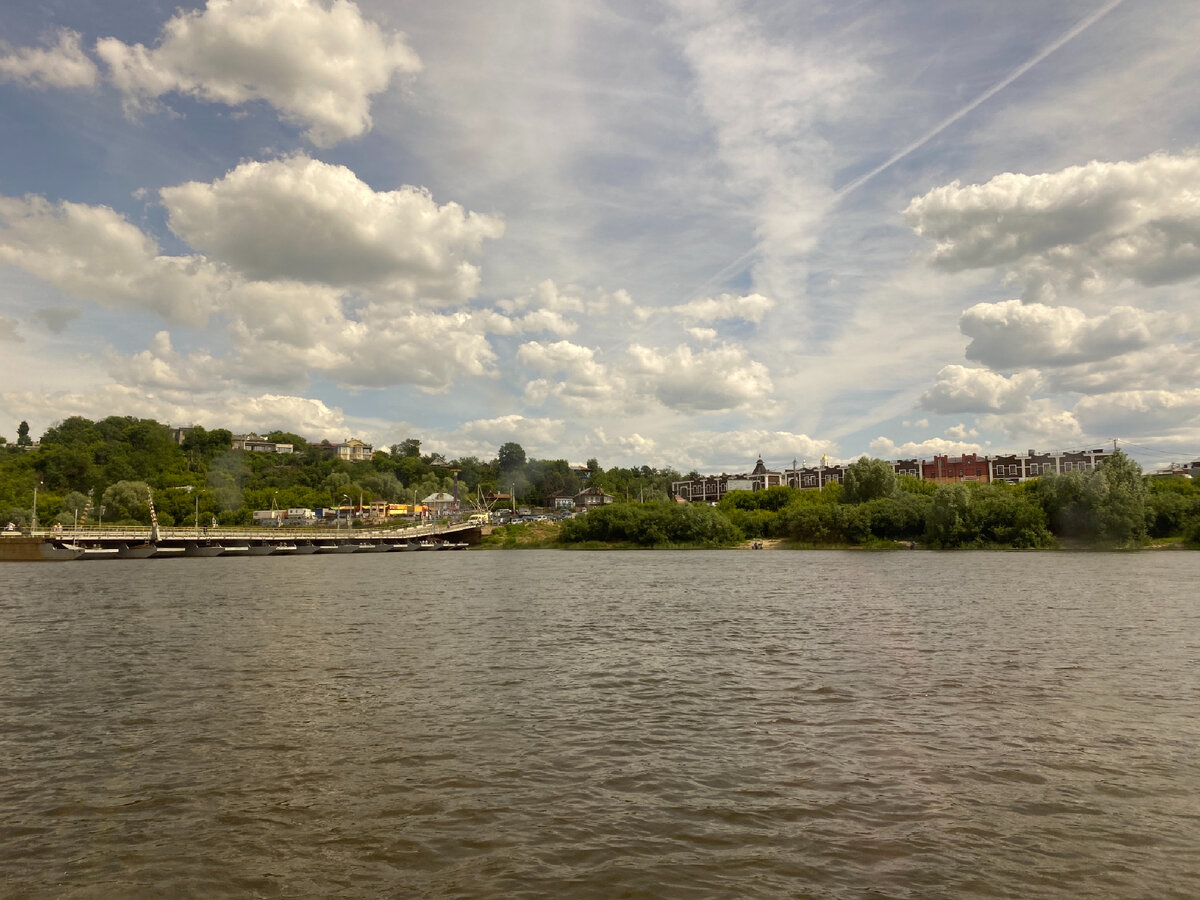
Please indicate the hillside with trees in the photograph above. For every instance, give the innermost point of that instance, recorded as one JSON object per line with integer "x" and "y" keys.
{"x": 80, "y": 464}
{"x": 117, "y": 459}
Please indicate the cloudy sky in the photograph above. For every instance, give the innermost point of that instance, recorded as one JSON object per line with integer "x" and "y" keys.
{"x": 680, "y": 233}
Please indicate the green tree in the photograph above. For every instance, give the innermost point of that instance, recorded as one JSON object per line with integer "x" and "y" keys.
{"x": 897, "y": 518}
{"x": 409, "y": 447}
{"x": 510, "y": 457}
{"x": 773, "y": 498}
{"x": 73, "y": 505}
{"x": 1171, "y": 505}
{"x": 651, "y": 524}
{"x": 1122, "y": 513}
{"x": 23, "y": 438}
{"x": 868, "y": 479}
{"x": 949, "y": 521}
{"x": 812, "y": 522}
{"x": 127, "y": 501}
{"x": 1106, "y": 504}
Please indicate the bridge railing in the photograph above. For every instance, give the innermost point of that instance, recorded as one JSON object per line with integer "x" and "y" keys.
{"x": 191, "y": 533}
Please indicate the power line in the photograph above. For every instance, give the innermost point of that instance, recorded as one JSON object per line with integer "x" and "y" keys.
{"x": 1170, "y": 453}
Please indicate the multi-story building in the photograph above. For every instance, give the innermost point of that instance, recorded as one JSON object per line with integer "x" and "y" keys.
{"x": 814, "y": 477}
{"x": 1084, "y": 460}
{"x": 1179, "y": 470}
{"x": 954, "y": 469}
{"x": 257, "y": 444}
{"x": 591, "y": 497}
{"x": 711, "y": 488}
{"x": 1013, "y": 468}
{"x": 944, "y": 469}
{"x": 353, "y": 450}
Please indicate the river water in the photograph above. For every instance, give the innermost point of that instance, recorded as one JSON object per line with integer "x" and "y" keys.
{"x": 536, "y": 724}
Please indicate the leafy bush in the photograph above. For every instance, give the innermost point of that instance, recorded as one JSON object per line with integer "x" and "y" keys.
{"x": 651, "y": 524}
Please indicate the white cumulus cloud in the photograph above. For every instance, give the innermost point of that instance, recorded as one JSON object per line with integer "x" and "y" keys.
{"x": 61, "y": 65}
{"x": 1012, "y": 334}
{"x": 318, "y": 64}
{"x": 235, "y": 411}
{"x": 94, "y": 253}
{"x": 536, "y": 435}
{"x": 1153, "y": 412}
{"x": 1040, "y": 423}
{"x": 723, "y": 378}
{"x": 959, "y": 389}
{"x": 302, "y": 219}
{"x": 886, "y": 448}
{"x": 1083, "y": 227}
{"x": 750, "y": 308}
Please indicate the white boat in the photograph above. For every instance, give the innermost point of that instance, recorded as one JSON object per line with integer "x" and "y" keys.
{"x": 371, "y": 547}
{"x": 235, "y": 549}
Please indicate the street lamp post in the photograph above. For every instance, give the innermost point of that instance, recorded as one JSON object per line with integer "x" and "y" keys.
{"x": 33, "y": 517}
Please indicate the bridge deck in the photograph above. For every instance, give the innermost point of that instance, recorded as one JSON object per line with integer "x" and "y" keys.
{"x": 136, "y": 542}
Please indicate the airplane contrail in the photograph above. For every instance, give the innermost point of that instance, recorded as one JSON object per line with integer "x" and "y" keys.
{"x": 1079, "y": 27}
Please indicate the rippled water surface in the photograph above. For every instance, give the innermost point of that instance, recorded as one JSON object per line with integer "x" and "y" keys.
{"x": 643, "y": 724}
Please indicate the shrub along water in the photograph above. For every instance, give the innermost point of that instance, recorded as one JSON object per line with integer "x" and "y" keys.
{"x": 658, "y": 523}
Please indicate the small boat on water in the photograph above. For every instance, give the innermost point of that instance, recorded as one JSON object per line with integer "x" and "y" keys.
{"x": 305, "y": 547}
{"x": 260, "y": 549}
{"x": 235, "y": 549}
{"x": 372, "y": 547}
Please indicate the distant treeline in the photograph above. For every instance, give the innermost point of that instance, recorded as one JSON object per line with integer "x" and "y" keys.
{"x": 1113, "y": 506}
{"x": 115, "y": 461}
{"x": 118, "y": 460}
